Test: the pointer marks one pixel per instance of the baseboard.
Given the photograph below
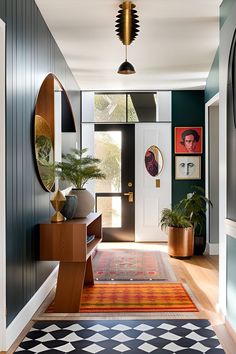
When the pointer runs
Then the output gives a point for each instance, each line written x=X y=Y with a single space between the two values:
x=212 y=249
x=25 y=315
x=230 y=329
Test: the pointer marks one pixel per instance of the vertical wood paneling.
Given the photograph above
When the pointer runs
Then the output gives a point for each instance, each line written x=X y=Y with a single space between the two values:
x=31 y=54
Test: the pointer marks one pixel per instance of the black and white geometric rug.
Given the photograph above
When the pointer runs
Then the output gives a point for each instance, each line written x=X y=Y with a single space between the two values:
x=122 y=336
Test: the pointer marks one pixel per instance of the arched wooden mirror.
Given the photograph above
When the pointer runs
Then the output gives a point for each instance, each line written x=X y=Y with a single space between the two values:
x=51 y=112
x=153 y=161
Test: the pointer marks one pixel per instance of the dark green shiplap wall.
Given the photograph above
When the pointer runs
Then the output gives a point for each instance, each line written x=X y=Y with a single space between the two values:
x=188 y=109
x=31 y=53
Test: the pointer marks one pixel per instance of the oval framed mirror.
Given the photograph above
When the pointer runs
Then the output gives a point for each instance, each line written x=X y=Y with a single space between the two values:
x=153 y=161
x=52 y=108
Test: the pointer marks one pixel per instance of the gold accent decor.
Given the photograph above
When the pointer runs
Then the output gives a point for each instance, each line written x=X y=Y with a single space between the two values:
x=127 y=26
x=158 y=183
x=57 y=201
x=130 y=196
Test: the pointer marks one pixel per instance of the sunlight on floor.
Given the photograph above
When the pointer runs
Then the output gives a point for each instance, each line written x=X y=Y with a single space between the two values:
x=163 y=247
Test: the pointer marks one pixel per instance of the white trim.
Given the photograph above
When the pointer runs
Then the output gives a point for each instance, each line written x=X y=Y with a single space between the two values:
x=25 y=315
x=211 y=102
x=230 y=228
x=2 y=192
x=213 y=249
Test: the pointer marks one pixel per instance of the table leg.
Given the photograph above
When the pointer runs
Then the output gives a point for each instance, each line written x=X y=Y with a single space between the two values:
x=69 y=286
x=89 y=272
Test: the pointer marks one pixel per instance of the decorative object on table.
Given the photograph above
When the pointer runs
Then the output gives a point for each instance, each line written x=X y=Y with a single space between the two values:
x=79 y=169
x=132 y=265
x=127 y=28
x=180 y=233
x=135 y=297
x=153 y=161
x=187 y=167
x=194 y=208
x=70 y=206
x=90 y=238
x=57 y=201
x=188 y=140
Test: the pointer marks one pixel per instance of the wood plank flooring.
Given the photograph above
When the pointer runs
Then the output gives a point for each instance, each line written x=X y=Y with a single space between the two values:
x=200 y=276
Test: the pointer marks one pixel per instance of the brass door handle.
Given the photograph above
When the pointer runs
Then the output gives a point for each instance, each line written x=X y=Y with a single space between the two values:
x=130 y=196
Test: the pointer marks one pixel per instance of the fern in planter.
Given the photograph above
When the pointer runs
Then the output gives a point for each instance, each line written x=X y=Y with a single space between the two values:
x=173 y=218
x=79 y=169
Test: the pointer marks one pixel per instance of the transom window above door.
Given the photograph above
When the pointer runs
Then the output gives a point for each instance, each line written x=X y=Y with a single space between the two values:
x=128 y=107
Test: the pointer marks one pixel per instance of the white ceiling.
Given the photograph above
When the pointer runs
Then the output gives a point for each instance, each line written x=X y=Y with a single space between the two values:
x=174 y=49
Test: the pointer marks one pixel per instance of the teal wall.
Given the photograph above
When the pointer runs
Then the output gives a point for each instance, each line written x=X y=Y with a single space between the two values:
x=227 y=12
x=225 y=8
x=31 y=53
x=212 y=84
x=230 y=278
x=187 y=110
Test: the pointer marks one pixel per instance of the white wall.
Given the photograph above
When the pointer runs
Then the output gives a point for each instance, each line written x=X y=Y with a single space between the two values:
x=2 y=192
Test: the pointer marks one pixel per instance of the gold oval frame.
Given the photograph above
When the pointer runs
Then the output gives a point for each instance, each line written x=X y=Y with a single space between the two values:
x=44 y=121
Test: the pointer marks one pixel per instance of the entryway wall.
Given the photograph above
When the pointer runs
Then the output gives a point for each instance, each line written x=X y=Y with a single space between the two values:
x=212 y=173
x=2 y=191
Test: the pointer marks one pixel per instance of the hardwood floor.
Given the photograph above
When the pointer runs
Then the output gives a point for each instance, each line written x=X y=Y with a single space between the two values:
x=199 y=275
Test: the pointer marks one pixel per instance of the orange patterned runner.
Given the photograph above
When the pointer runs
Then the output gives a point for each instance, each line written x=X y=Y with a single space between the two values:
x=162 y=297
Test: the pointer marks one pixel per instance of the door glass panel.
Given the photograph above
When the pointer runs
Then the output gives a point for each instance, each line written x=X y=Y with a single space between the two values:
x=110 y=108
x=108 y=150
x=110 y=207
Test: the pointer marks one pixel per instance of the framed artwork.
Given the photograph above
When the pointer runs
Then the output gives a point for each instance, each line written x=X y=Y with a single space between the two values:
x=188 y=167
x=153 y=160
x=188 y=140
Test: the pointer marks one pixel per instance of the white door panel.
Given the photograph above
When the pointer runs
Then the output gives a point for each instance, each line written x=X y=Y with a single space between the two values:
x=150 y=200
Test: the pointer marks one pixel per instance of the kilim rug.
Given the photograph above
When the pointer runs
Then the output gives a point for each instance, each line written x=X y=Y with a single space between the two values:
x=113 y=337
x=119 y=265
x=151 y=297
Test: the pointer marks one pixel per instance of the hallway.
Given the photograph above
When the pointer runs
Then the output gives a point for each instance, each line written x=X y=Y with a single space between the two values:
x=199 y=275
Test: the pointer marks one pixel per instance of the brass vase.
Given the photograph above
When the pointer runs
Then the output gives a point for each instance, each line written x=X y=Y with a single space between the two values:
x=58 y=200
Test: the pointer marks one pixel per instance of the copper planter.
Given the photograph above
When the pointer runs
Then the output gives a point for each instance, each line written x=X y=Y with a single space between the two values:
x=180 y=242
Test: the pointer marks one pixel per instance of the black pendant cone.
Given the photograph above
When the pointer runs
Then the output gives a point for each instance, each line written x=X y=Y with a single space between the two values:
x=126 y=68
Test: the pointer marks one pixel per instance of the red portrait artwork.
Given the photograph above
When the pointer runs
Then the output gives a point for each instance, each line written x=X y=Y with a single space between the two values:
x=188 y=140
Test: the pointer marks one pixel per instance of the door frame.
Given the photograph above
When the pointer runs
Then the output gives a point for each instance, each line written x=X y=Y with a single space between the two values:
x=127 y=232
x=214 y=249
x=3 y=194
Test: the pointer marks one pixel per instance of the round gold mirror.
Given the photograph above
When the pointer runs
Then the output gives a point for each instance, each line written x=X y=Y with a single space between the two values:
x=52 y=103
x=153 y=161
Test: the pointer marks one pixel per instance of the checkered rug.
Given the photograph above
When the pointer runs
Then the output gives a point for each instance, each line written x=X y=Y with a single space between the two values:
x=119 y=336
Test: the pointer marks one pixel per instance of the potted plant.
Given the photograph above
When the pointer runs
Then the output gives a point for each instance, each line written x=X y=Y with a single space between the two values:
x=180 y=233
x=78 y=168
x=194 y=207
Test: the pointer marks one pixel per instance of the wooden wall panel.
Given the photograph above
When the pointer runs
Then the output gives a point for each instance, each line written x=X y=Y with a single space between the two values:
x=31 y=53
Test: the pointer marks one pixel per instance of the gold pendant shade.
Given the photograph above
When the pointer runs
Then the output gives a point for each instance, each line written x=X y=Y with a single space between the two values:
x=127 y=23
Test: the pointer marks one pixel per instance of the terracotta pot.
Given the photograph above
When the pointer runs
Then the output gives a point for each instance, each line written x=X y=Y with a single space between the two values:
x=85 y=203
x=180 y=242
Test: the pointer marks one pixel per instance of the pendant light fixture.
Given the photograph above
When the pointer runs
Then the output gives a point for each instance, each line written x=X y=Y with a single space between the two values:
x=127 y=29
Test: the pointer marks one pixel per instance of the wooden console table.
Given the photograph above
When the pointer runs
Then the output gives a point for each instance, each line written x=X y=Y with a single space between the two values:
x=67 y=242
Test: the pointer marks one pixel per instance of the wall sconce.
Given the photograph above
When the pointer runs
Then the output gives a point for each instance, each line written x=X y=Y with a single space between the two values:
x=127 y=28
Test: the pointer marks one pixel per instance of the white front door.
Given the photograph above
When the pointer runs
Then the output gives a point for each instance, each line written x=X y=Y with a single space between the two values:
x=150 y=198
